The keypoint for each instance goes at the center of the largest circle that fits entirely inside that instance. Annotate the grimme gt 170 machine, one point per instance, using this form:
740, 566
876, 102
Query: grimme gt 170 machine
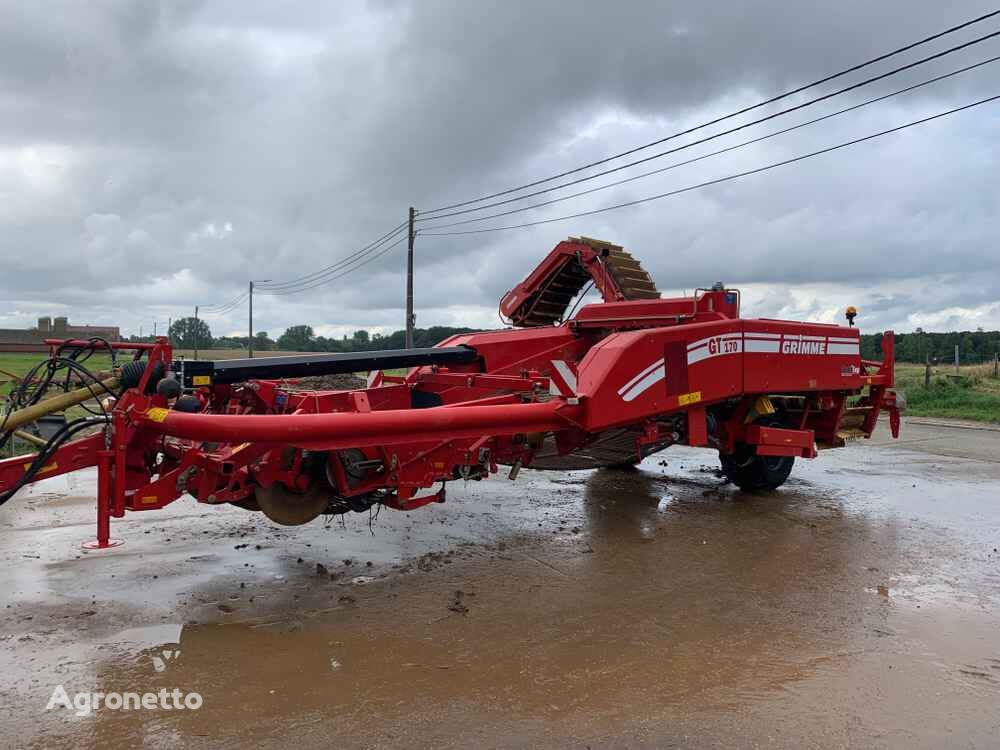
613, 383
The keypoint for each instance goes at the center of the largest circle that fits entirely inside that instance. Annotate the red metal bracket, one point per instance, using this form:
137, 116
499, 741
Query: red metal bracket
397, 503
778, 441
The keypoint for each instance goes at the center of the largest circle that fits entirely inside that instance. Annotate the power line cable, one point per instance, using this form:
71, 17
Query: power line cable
724, 132
721, 180
224, 305
334, 271
311, 281
346, 272
717, 120
214, 311
703, 156
334, 266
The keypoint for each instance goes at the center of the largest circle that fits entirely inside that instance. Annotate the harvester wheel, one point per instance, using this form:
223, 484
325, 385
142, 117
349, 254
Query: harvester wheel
248, 503
290, 508
753, 473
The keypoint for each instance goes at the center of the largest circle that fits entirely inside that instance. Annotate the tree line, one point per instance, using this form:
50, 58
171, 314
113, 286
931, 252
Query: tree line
974, 347
191, 333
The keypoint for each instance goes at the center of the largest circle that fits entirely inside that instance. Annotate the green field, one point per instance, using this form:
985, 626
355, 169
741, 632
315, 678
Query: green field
973, 394
20, 363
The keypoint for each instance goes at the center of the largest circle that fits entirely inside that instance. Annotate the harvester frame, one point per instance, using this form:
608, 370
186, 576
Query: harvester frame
615, 382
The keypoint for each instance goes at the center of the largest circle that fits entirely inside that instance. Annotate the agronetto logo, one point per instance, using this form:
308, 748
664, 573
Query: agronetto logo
84, 704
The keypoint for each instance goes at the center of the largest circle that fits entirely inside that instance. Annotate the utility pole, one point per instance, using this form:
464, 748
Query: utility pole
409, 282
196, 331
250, 340
956, 359
170, 324
154, 329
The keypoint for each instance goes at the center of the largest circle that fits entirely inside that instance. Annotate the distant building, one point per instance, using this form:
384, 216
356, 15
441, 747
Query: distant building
33, 339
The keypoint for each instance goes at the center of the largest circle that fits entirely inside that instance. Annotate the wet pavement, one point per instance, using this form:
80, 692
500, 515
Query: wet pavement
857, 606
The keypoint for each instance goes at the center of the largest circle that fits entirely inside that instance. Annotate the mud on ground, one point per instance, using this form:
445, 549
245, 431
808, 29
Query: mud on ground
856, 607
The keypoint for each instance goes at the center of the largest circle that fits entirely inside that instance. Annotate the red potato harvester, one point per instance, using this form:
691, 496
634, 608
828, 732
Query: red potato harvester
615, 382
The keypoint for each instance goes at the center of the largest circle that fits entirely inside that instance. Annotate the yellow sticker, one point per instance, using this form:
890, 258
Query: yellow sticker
156, 414
45, 469
688, 398
201, 380
149, 499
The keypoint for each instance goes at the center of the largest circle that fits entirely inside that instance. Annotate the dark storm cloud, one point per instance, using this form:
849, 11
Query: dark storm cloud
157, 156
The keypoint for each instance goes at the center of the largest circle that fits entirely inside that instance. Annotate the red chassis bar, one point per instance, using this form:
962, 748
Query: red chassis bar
365, 429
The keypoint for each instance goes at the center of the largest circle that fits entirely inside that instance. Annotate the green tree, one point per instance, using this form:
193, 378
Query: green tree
261, 342
360, 337
191, 333
297, 339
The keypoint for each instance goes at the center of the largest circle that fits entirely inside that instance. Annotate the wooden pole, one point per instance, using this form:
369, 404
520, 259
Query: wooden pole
956, 359
927, 372
410, 320
250, 340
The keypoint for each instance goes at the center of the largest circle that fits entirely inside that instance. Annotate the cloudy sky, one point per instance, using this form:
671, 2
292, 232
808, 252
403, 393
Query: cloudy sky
157, 156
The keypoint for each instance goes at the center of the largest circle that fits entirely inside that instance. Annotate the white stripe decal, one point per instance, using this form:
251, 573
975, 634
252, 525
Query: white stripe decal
751, 342
642, 373
754, 346
566, 374
646, 383
843, 349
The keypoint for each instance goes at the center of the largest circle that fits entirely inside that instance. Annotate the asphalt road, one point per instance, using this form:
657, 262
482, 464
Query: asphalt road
859, 606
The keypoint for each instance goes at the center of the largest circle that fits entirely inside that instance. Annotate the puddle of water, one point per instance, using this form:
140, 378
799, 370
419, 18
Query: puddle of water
587, 604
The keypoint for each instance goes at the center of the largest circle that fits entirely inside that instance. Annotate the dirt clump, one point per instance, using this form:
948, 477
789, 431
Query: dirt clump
340, 382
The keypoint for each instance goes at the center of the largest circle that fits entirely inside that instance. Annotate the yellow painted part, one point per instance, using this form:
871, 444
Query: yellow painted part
45, 469
157, 414
763, 405
761, 408
57, 403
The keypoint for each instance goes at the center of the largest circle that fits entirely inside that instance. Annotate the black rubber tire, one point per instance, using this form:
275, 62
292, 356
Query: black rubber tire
623, 466
753, 473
